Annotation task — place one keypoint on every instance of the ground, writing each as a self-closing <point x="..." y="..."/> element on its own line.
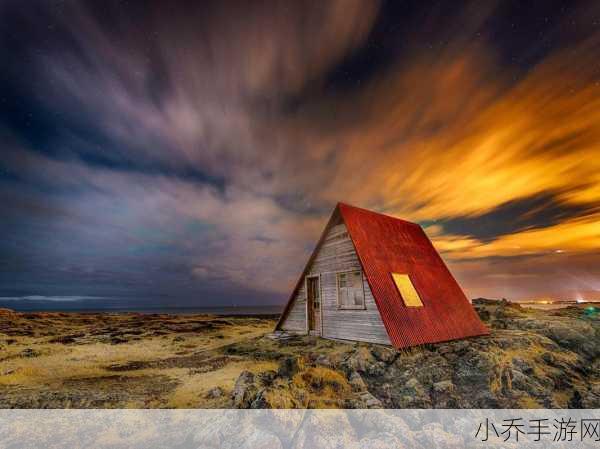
<point x="531" y="359"/>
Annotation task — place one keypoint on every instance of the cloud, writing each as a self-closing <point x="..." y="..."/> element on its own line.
<point x="198" y="151"/>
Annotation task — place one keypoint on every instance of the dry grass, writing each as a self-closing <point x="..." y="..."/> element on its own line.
<point x="192" y="388"/>
<point x="175" y="350"/>
<point x="321" y="387"/>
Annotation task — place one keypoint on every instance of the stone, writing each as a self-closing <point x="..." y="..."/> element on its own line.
<point x="244" y="390"/>
<point x="443" y="387"/>
<point x="361" y="360"/>
<point x="288" y="367"/>
<point x="522" y="365"/>
<point x="28" y="352"/>
<point x="384" y="353"/>
<point x="548" y="358"/>
<point x="356" y="382"/>
<point x="214" y="393"/>
<point x="370" y="401"/>
<point x="260" y="401"/>
<point x="323" y="360"/>
<point x="266" y="378"/>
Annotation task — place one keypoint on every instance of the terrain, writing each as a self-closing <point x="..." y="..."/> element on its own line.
<point x="533" y="358"/>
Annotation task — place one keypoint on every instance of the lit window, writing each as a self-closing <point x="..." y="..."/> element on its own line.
<point x="351" y="294"/>
<point x="407" y="290"/>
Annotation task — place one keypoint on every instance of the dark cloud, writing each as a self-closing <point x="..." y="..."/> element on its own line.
<point x="538" y="211"/>
<point x="193" y="150"/>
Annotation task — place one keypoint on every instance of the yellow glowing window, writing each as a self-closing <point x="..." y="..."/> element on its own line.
<point x="407" y="290"/>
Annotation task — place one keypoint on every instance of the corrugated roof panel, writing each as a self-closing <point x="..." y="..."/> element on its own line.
<point x="388" y="245"/>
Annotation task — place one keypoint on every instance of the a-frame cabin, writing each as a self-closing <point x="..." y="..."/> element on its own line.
<point x="378" y="279"/>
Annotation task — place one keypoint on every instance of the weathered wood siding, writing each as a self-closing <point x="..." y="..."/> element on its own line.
<point x="337" y="254"/>
<point x="296" y="319"/>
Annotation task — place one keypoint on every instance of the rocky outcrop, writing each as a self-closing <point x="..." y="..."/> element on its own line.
<point x="531" y="359"/>
<point x="244" y="392"/>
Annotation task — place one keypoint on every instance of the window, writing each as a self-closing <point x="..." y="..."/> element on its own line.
<point x="407" y="290"/>
<point x="351" y="294"/>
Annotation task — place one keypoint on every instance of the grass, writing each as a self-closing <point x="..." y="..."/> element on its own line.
<point x="320" y="386"/>
<point x="70" y="369"/>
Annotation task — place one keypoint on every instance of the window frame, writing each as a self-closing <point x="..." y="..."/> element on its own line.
<point x="340" y="306"/>
<point x="406" y="299"/>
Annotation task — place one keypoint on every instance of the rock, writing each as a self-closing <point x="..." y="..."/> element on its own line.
<point x="117" y="340"/>
<point x="443" y="387"/>
<point x="289" y="366"/>
<point x="574" y="336"/>
<point x="548" y="358"/>
<point x="280" y="336"/>
<point x="384" y="353"/>
<point x="260" y="401"/>
<point x="522" y="365"/>
<point x="443" y="394"/>
<point x="413" y="383"/>
<point x="28" y="352"/>
<point x="214" y="393"/>
<point x="370" y="401"/>
<point x="356" y="382"/>
<point x="266" y="378"/>
<point x="592" y="398"/>
<point x="323" y="360"/>
<point x="244" y="391"/>
<point x="361" y="360"/>
<point x="576" y="400"/>
<point x="415" y="395"/>
<point x="506" y="378"/>
<point x="179" y="338"/>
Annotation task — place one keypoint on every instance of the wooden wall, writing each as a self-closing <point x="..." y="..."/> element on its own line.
<point x="296" y="319"/>
<point x="335" y="255"/>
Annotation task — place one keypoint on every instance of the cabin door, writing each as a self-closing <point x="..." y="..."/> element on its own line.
<point x="313" y="302"/>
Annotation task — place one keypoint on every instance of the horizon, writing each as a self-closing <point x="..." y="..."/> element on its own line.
<point x="99" y="304"/>
<point x="190" y="154"/>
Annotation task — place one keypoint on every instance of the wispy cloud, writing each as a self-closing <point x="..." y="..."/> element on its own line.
<point x="199" y="152"/>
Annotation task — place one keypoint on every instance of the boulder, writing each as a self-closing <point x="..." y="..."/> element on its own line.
<point x="356" y="382"/>
<point x="244" y="390"/>
<point x="289" y="366"/>
<point x="361" y="360"/>
<point x="384" y="354"/>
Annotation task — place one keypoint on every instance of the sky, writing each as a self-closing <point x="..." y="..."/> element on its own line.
<point x="190" y="153"/>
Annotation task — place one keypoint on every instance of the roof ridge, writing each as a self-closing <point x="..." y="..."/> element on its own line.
<point x="390" y="217"/>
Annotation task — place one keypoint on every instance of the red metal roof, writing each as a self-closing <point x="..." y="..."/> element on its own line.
<point x="388" y="245"/>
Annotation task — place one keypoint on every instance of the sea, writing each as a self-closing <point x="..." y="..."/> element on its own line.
<point x="113" y="305"/>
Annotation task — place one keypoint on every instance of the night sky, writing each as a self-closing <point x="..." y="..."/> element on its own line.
<point x="190" y="154"/>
